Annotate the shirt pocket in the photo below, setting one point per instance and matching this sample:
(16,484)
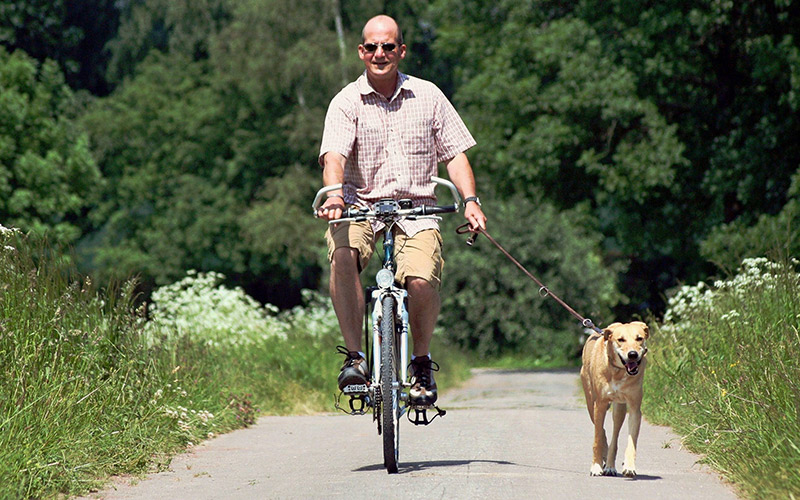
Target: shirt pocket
(371,145)
(418,138)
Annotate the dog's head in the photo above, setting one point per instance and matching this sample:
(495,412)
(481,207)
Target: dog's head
(626,344)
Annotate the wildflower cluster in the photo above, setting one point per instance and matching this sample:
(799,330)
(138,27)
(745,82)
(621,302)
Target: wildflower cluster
(191,423)
(200,307)
(756,275)
(5,234)
(687,302)
(316,316)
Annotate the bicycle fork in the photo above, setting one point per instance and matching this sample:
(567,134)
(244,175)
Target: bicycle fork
(401,334)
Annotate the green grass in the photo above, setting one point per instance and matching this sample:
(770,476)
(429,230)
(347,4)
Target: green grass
(726,369)
(89,389)
(84,393)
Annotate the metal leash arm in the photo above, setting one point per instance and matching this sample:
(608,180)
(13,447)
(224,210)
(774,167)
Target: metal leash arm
(543,290)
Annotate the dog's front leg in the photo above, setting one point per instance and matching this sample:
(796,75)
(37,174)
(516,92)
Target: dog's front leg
(600,446)
(634,422)
(618,411)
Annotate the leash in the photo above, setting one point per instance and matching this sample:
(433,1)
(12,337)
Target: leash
(543,290)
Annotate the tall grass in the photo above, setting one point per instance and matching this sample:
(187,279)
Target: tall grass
(90,387)
(88,390)
(726,368)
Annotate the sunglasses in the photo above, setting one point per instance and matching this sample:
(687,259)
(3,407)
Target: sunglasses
(372,47)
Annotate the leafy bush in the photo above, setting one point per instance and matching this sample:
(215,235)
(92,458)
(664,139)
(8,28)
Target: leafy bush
(48,178)
(725,365)
(774,235)
(200,307)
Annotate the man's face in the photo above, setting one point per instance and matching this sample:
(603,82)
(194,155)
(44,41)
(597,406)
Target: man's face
(381,63)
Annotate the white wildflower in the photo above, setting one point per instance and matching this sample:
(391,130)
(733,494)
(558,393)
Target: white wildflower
(6,231)
(201,307)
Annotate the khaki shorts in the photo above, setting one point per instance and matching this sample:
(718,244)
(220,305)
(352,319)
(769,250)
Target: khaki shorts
(418,256)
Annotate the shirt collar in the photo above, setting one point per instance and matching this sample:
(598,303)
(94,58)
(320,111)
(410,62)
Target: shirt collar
(365,88)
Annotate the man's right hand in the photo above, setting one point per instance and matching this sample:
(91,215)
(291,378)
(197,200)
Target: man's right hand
(333,208)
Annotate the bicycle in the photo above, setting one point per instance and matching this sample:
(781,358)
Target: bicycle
(387,391)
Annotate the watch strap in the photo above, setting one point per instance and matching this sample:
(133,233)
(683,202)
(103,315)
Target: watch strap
(472,198)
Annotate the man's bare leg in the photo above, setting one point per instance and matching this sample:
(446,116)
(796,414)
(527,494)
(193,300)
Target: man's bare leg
(423,310)
(347,295)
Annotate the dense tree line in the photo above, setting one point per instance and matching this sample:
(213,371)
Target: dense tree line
(623,147)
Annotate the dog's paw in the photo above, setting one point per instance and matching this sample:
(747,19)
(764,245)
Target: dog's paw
(628,472)
(609,471)
(596,470)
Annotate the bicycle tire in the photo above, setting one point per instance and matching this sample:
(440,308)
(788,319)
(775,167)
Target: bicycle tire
(389,396)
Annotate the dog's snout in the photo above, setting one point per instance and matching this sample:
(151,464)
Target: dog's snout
(633,355)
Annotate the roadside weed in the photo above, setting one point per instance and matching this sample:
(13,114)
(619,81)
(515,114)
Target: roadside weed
(726,366)
(89,387)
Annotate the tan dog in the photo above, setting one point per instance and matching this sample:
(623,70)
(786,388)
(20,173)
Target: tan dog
(612,372)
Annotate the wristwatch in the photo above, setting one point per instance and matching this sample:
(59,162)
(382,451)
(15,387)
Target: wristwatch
(472,198)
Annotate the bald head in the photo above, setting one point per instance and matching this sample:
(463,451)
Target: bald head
(382,23)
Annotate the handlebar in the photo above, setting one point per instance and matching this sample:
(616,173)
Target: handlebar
(388,209)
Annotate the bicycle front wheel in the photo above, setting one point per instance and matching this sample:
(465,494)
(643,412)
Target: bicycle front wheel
(390,401)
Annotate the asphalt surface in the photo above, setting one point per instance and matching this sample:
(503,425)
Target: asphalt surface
(506,435)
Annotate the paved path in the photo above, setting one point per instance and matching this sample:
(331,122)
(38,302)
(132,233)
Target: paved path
(506,435)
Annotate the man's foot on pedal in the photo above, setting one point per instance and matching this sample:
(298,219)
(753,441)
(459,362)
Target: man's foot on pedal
(423,386)
(354,370)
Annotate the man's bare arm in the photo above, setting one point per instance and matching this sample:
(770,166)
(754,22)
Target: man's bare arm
(332,173)
(460,172)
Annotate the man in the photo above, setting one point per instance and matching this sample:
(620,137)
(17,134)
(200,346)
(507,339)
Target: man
(384,136)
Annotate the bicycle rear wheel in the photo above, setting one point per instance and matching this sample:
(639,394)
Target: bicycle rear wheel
(390,402)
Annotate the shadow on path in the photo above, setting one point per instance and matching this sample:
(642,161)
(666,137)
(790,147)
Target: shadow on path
(405,468)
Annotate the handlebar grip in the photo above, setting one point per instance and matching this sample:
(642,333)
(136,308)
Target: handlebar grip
(430,210)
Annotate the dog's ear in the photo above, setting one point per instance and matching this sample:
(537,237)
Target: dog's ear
(606,333)
(644,328)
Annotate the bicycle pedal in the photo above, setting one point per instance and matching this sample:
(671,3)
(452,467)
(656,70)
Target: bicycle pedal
(355,389)
(358,402)
(421,414)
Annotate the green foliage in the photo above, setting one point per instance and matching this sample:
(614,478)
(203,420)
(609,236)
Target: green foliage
(777,235)
(178,27)
(48,178)
(724,368)
(723,73)
(576,130)
(671,118)
(280,233)
(491,307)
(39,28)
(673,124)
(205,153)
(73,34)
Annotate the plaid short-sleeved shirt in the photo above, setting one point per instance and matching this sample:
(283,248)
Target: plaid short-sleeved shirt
(393,146)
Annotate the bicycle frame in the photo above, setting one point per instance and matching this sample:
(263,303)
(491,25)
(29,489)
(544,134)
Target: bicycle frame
(401,313)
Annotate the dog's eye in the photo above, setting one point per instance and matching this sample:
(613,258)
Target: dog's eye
(639,339)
